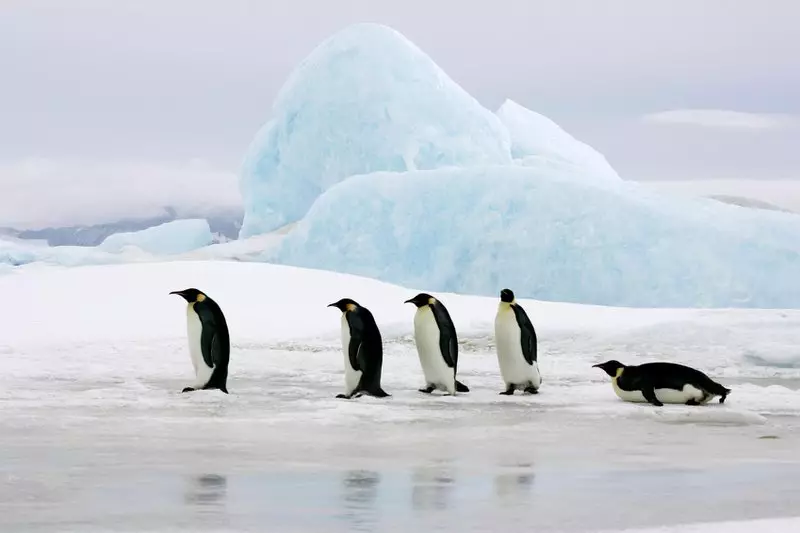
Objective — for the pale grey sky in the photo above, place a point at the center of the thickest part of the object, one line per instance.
(173, 80)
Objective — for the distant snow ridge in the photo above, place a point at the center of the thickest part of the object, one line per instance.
(176, 237)
(364, 100)
(537, 141)
(549, 237)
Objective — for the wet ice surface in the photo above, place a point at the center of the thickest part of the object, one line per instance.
(96, 436)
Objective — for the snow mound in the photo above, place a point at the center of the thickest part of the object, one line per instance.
(548, 237)
(539, 142)
(364, 100)
(178, 236)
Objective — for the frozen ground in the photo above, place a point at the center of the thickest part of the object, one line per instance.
(96, 436)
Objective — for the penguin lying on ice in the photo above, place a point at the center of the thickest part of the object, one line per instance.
(660, 383)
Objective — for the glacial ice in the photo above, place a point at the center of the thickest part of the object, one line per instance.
(549, 237)
(175, 237)
(364, 100)
(539, 142)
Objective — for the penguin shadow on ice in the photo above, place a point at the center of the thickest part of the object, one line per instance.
(662, 382)
(437, 345)
(363, 351)
(209, 341)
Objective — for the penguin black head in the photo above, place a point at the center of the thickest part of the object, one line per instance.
(191, 295)
(421, 299)
(345, 304)
(610, 367)
(507, 296)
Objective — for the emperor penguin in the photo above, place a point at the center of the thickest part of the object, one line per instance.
(660, 383)
(363, 351)
(516, 343)
(437, 345)
(209, 342)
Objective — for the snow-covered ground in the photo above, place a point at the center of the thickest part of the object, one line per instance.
(96, 436)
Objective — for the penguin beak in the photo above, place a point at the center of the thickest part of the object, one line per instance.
(598, 365)
(331, 305)
(179, 293)
(409, 301)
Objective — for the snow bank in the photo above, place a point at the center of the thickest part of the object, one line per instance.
(767, 525)
(364, 100)
(539, 142)
(174, 237)
(549, 237)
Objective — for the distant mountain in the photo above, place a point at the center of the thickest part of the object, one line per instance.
(225, 225)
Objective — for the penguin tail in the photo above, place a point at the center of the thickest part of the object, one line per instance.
(460, 387)
(379, 393)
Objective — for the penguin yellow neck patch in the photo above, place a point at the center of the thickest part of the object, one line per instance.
(431, 300)
(619, 372)
(200, 297)
(350, 307)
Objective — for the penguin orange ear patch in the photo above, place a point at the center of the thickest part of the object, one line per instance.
(431, 300)
(350, 307)
(200, 297)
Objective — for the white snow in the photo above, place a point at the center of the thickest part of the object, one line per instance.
(538, 141)
(96, 430)
(549, 236)
(366, 99)
(175, 237)
(776, 525)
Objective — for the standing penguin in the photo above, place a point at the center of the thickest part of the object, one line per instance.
(209, 342)
(437, 345)
(661, 382)
(363, 351)
(516, 343)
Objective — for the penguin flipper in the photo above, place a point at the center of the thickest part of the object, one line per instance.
(448, 339)
(528, 338)
(649, 394)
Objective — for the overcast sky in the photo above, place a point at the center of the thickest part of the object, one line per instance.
(681, 89)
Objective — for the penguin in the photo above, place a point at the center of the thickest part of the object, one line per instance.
(516, 343)
(437, 345)
(209, 342)
(660, 383)
(363, 351)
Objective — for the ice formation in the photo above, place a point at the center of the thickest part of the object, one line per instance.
(549, 237)
(538, 141)
(171, 238)
(364, 100)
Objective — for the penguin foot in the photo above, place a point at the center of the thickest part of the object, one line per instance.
(188, 389)
(345, 396)
(507, 393)
(531, 390)
(692, 402)
(722, 399)
(427, 390)
(460, 387)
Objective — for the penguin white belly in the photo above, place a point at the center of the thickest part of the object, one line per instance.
(513, 366)
(194, 329)
(426, 337)
(689, 392)
(351, 376)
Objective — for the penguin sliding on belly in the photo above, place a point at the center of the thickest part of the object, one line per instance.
(209, 342)
(660, 383)
(363, 351)
(437, 345)
(516, 343)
